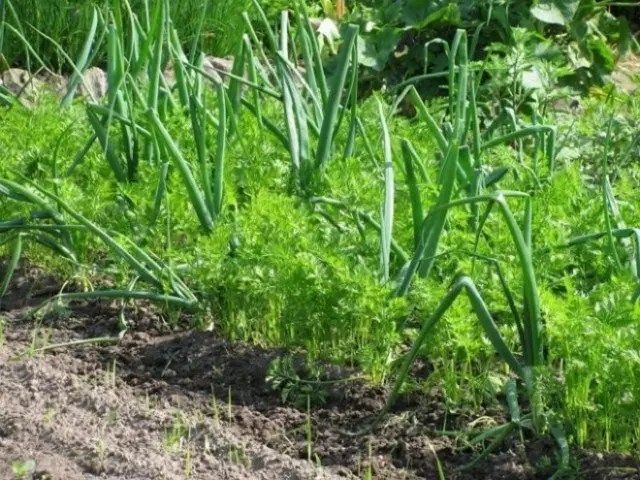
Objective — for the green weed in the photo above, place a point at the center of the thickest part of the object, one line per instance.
(21, 470)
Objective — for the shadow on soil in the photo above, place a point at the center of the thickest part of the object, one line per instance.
(189, 369)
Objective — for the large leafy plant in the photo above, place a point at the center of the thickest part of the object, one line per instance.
(397, 36)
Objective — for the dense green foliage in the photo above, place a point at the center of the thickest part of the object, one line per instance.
(69, 23)
(401, 37)
(292, 279)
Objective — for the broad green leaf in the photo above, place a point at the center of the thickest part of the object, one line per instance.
(420, 14)
(532, 79)
(548, 13)
(374, 50)
(557, 12)
(602, 55)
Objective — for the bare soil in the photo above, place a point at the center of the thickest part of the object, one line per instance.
(155, 406)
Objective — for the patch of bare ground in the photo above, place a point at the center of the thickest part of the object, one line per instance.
(155, 406)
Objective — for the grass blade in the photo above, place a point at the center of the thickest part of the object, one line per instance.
(16, 251)
(121, 252)
(263, 55)
(192, 189)
(160, 191)
(179, 61)
(414, 192)
(82, 62)
(389, 196)
(178, 302)
(317, 63)
(109, 150)
(605, 200)
(196, 47)
(333, 102)
(253, 77)
(432, 230)
(463, 284)
(521, 133)
(197, 113)
(156, 38)
(425, 116)
(237, 72)
(353, 94)
(218, 188)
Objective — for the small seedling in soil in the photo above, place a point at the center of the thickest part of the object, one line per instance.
(283, 377)
(368, 474)
(216, 410)
(368, 471)
(174, 436)
(435, 455)
(54, 311)
(112, 418)
(110, 374)
(308, 428)
(49, 415)
(187, 457)
(101, 451)
(40, 339)
(149, 403)
(238, 456)
(22, 469)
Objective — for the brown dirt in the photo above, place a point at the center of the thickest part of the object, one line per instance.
(154, 415)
